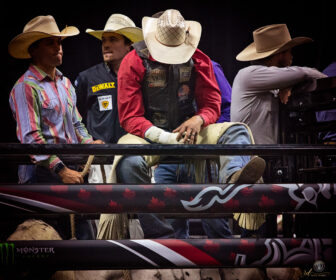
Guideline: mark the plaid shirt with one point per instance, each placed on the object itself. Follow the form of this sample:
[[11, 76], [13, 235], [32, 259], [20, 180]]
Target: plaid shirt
[[45, 112]]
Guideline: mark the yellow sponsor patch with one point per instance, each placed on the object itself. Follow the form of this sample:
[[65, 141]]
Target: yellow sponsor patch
[[103, 86], [105, 104]]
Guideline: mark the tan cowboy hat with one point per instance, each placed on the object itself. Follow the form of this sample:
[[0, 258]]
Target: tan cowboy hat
[[170, 39], [269, 40], [36, 29], [119, 24]]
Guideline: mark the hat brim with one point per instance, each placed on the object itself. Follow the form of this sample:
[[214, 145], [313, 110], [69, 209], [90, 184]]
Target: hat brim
[[250, 53], [18, 47], [171, 54], [132, 33]]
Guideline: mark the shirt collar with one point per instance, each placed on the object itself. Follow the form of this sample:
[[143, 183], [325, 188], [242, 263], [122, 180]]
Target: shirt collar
[[107, 67], [41, 75]]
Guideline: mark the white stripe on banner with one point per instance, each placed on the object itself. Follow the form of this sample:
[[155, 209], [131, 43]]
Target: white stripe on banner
[[165, 252], [134, 252], [35, 203]]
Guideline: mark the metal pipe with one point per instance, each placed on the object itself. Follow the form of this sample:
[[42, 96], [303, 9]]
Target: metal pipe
[[164, 253], [158, 149], [170, 198]]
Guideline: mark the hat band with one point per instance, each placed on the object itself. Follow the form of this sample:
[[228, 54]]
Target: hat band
[[271, 48]]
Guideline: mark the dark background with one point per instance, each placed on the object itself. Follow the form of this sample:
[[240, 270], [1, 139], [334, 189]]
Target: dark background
[[227, 29]]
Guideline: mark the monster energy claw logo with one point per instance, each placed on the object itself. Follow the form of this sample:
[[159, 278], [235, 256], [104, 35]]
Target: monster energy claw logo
[[6, 253]]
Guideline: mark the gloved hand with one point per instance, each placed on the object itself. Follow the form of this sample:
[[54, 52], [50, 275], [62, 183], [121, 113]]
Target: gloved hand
[[160, 136]]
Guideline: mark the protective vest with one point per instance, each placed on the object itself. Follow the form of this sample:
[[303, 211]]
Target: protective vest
[[168, 91], [96, 90]]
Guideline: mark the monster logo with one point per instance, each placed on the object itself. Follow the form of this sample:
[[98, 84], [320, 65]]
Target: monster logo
[[6, 253]]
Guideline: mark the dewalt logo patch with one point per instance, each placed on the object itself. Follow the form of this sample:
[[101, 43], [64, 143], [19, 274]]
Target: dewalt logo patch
[[103, 86]]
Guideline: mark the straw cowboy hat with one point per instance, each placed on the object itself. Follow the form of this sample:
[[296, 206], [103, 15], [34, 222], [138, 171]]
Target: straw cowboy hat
[[119, 24], [170, 39], [269, 40], [36, 29]]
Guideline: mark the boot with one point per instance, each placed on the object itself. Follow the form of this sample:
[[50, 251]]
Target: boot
[[250, 173]]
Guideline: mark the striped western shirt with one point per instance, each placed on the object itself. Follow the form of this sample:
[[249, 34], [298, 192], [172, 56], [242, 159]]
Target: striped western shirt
[[45, 112]]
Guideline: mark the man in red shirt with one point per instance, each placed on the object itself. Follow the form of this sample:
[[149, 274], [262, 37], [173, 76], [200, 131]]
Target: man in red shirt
[[168, 94]]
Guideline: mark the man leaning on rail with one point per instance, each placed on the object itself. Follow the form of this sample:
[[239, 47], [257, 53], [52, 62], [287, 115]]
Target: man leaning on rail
[[43, 101]]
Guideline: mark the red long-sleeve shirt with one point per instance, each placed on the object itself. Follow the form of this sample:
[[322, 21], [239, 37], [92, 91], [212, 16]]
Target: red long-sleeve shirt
[[130, 100]]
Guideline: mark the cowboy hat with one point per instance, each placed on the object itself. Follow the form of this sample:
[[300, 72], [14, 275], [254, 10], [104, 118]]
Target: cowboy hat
[[170, 39], [120, 24], [36, 29], [269, 40]]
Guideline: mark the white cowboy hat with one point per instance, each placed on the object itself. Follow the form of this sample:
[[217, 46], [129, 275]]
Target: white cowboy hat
[[170, 39], [269, 40], [36, 29], [119, 24]]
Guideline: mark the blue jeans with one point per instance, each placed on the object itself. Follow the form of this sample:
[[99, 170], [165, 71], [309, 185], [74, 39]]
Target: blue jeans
[[134, 170], [180, 173], [32, 174], [229, 164]]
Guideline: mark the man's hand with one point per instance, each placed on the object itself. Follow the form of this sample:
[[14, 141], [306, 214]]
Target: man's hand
[[189, 130], [284, 94], [70, 176], [158, 135], [98, 142]]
